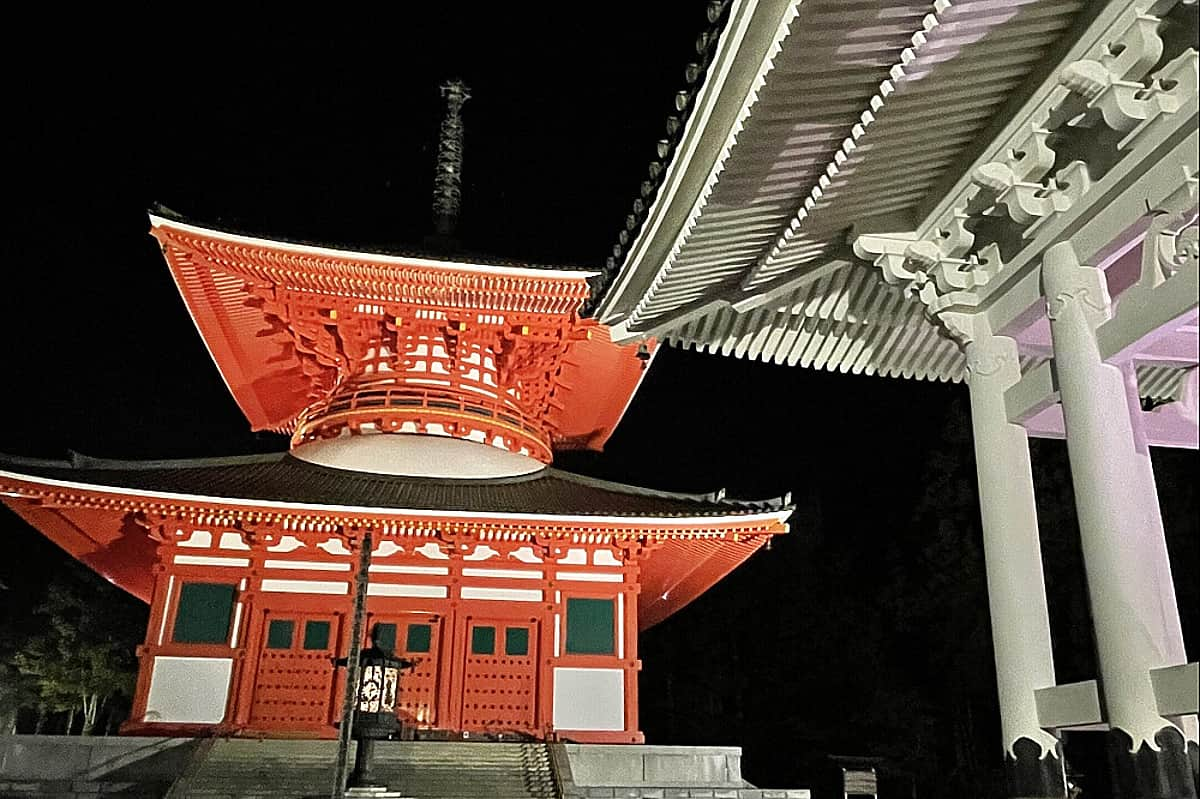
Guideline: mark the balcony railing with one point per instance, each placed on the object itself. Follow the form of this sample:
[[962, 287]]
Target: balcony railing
[[389, 406]]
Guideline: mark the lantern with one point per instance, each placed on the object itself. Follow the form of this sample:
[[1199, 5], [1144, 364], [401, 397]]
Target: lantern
[[378, 687], [375, 714]]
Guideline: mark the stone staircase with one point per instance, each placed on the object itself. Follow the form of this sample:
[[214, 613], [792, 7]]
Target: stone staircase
[[59, 767], [250, 769]]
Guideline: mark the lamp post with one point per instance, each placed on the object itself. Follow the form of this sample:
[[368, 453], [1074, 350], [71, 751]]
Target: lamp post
[[350, 694], [375, 713], [369, 703]]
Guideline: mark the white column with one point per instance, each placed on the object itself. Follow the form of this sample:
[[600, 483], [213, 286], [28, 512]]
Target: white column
[[1132, 595], [1016, 587]]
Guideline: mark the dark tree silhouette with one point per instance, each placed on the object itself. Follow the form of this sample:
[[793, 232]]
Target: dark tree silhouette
[[76, 657]]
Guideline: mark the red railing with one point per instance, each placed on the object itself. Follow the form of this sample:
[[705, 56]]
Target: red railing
[[391, 405]]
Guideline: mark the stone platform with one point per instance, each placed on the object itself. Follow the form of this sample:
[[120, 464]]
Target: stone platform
[[61, 767]]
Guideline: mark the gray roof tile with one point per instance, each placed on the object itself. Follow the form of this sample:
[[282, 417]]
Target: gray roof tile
[[279, 477]]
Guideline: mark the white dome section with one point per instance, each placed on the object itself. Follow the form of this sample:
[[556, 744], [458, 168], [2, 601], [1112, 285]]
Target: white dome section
[[412, 455]]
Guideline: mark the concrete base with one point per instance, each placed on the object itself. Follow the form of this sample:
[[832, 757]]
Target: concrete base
[[61, 757], [69, 768], [661, 766], [599, 771]]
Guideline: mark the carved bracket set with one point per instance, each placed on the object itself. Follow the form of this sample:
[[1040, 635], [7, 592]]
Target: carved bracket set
[[1027, 185]]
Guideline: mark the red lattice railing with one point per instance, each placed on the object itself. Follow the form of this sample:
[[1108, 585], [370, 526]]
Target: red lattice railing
[[387, 408]]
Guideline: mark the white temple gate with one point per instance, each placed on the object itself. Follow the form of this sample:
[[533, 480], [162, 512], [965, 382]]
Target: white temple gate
[[1002, 194]]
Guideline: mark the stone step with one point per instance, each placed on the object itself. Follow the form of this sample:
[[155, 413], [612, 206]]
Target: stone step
[[646, 792], [268, 769]]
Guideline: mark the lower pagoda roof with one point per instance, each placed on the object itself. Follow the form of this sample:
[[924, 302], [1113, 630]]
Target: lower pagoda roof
[[106, 513], [282, 478]]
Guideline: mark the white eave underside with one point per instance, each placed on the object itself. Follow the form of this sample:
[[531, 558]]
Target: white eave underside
[[369, 257], [864, 111]]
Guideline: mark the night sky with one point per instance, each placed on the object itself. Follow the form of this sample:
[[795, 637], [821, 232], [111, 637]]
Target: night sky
[[325, 130]]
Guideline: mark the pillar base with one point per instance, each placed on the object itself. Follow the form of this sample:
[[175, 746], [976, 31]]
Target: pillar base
[[1165, 773], [1194, 756], [1034, 773]]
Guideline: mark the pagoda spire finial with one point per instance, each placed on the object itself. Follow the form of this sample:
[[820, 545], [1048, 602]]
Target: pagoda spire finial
[[447, 185]]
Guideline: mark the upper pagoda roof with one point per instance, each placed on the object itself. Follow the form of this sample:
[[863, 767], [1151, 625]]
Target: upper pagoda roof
[[234, 286], [281, 478]]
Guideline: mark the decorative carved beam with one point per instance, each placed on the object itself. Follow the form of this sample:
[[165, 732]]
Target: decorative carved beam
[[946, 267]]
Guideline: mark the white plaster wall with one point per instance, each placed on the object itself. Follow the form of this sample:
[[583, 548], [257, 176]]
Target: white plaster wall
[[188, 690], [416, 456], [589, 699]]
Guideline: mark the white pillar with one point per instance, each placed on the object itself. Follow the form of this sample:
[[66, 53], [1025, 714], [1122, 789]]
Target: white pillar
[[1134, 609], [1013, 557]]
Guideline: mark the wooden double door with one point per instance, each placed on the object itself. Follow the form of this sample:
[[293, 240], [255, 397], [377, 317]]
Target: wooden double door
[[499, 675], [297, 687], [295, 680]]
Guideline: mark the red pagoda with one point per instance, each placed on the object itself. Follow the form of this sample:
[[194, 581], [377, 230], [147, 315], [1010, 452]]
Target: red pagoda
[[424, 400]]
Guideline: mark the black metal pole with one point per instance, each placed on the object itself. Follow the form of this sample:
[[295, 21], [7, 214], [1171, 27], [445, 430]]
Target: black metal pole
[[350, 695], [363, 776]]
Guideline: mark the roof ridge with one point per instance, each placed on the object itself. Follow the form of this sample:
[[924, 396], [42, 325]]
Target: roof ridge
[[78, 460], [280, 477]]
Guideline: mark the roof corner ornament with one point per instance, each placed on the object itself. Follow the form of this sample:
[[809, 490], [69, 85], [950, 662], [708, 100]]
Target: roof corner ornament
[[447, 185]]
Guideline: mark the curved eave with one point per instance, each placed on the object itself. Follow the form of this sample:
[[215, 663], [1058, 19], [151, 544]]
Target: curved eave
[[683, 569], [254, 358], [835, 133], [107, 541], [848, 321], [98, 526], [322, 252], [747, 45], [596, 384]]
